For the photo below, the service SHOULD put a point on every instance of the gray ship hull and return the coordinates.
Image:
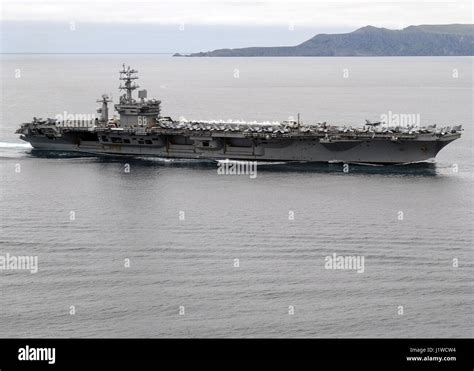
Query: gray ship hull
(311, 150)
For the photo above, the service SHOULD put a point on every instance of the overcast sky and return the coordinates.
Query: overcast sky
(118, 26)
(332, 14)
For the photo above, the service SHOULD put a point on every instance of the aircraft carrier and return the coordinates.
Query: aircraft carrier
(140, 129)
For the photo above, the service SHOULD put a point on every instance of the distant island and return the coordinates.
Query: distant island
(423, 40)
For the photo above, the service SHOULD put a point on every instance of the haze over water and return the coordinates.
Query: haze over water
(190, 262)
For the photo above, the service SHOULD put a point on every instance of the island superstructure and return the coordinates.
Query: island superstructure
(140, 130)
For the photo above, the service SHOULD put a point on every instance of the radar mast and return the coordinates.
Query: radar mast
(127, 75)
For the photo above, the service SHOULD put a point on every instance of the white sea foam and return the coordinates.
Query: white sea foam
(258, 162)
(15, 145)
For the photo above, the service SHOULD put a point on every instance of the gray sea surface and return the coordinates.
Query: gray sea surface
(281, 287)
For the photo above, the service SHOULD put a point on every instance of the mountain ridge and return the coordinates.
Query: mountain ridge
(421, 40)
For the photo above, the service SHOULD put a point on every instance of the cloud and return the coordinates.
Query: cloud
(347, 13)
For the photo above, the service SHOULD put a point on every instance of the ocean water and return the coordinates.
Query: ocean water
(190, 264)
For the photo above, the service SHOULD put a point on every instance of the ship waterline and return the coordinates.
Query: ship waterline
(141, 130)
